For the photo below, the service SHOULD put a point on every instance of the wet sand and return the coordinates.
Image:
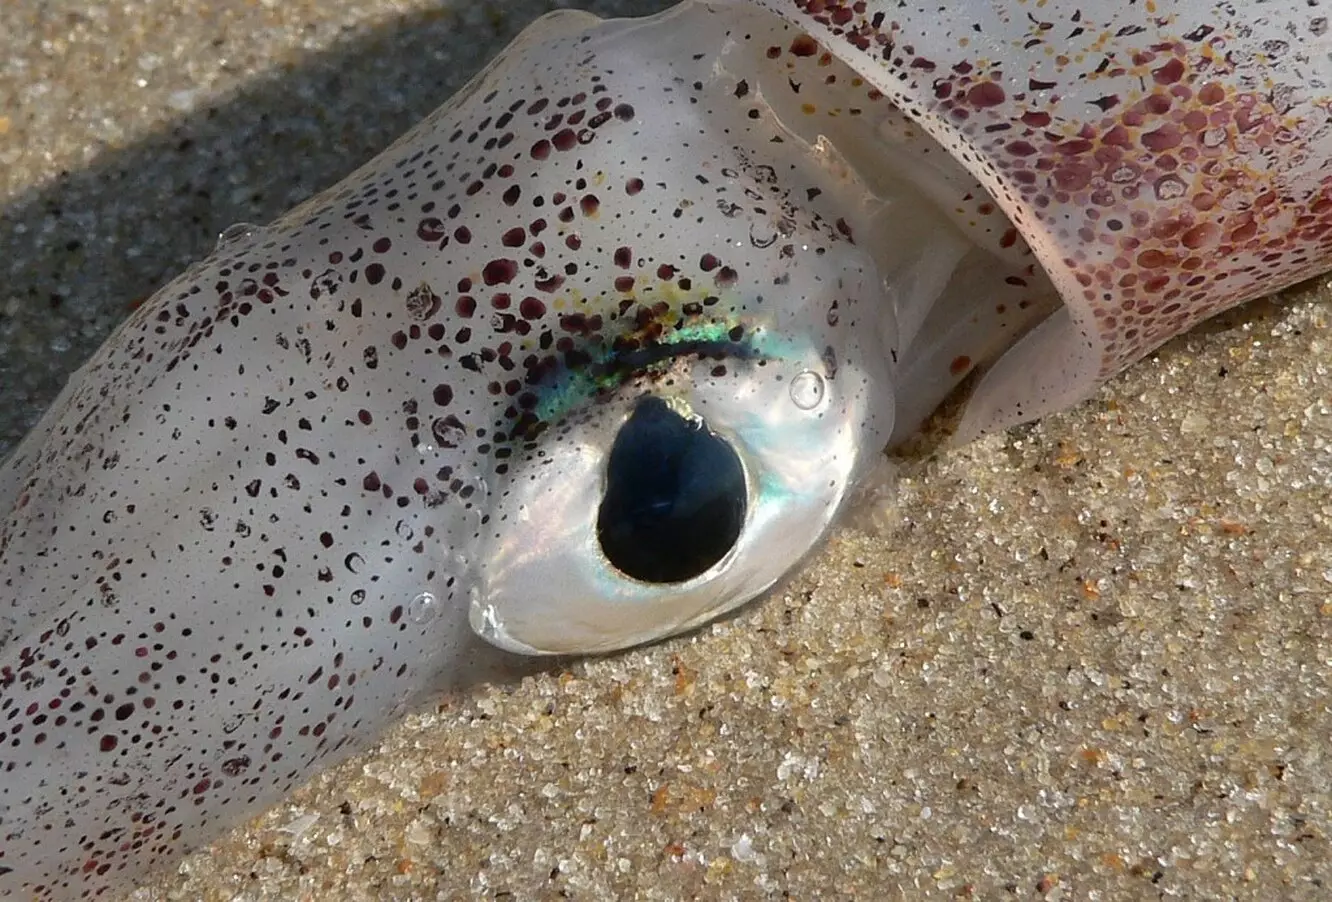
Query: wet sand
(1086, 659)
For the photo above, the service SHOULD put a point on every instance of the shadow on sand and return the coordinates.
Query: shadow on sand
(84, 248)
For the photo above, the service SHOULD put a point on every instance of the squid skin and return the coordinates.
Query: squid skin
(354, 458)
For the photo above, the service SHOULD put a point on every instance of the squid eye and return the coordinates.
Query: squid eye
(675, 497)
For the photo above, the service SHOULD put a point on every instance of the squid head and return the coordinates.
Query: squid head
(596, 353)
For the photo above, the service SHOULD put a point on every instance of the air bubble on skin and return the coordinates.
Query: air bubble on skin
(485, 620)
(763, 234)
(423, 608)
(808, 390)
(483, 617)
(236, 233)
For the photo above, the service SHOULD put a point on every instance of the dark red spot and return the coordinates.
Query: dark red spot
(514, 237)
(589, 204)
(531, 308)
(1170, 73)
(1153, 259)
(1073, 178)
(565, 139)
(381, 245)
(1157, 104)
(1200, 235)
(804, 45)
(499, 271)
(1164, 138)
(985, 94)
(374, 273)
(443, 395)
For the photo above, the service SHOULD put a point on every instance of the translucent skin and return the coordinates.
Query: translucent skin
(1164, 161)
(263, 519)
(256, 526)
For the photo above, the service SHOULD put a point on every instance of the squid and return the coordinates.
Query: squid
(595, 354)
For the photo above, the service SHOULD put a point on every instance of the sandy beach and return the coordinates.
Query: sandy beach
(1089, 658)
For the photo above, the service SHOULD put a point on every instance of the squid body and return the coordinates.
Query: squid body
(594, 354)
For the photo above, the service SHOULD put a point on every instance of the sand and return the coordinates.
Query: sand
(1085, 659)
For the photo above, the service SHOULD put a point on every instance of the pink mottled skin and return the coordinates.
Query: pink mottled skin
(1164, 161)
(297, 489)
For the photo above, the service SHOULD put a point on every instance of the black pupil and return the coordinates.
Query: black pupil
(675, 497)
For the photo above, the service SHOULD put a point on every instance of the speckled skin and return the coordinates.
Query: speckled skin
(1165, 161)
(250, 531)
